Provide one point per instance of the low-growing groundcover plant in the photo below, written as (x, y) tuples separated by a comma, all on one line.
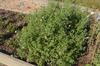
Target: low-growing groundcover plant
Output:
[(55, 36)]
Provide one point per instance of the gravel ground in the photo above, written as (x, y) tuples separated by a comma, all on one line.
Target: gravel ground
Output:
[(28, 6)]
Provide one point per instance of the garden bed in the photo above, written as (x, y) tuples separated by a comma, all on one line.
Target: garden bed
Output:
[(13, 22)]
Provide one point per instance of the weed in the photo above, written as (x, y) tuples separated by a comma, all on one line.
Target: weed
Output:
[(11, 28), (0, 19), (1, 37)]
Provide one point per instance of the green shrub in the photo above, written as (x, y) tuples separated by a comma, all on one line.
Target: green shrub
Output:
[(54, 36)]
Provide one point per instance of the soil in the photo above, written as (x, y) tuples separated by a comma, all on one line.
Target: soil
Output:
[(9, 21)]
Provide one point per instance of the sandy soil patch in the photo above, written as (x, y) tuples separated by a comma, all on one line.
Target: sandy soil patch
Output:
[(26, 7)]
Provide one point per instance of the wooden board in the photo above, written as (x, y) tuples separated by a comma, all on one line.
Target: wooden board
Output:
[(11, 61)]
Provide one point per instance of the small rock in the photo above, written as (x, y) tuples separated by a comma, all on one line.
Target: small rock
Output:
[(98, 17), (92, 13)]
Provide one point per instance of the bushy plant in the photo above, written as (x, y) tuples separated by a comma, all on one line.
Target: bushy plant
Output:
[(54, 36)]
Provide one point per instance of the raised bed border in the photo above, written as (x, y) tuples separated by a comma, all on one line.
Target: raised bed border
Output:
[(11, 61)]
